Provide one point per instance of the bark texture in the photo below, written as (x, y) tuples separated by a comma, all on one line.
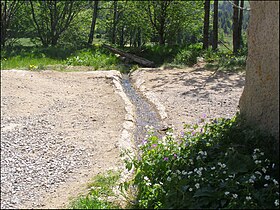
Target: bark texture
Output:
[(259, 103)]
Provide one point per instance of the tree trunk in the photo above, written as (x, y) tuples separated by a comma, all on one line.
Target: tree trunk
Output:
[(235, 37), (240, 41), (215, 26), (92, 28), (259, 103), (114, 22), (206, 24), (137, 59), (161, 38), (122, 37)]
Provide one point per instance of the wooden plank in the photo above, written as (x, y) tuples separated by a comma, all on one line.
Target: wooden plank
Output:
[(137, 59)]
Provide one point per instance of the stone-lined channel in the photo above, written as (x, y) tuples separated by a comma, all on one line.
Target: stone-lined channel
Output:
[(146, 113)]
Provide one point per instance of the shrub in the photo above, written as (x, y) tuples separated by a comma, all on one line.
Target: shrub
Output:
[(206, 167), (188, 56), (94, 57)]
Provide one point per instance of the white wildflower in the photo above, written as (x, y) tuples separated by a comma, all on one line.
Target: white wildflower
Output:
[(267, 177), (148, 183), (224, 172), (190, 189), (256, 150), (197, 185), (275, 182), (178, 172), (253, 177), (168, 179), (265, 185), (223, 165), (213, 168), (226, 193), (276, 202), (251, 181), (234, 195), (273, 165), (254, 157), (259, 173), (262, 153), (146, 178), (248, 198), (264, 170), (184, 172)]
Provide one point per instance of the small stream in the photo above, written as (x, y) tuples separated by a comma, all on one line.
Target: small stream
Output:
[(146, 113)]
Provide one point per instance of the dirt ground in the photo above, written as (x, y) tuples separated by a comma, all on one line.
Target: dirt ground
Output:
[(58, 129), (184, 96)]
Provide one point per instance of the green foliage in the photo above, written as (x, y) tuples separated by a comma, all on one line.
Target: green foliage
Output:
[(188, 56), (225, 60), (222, 164), (27, 62), (95, 57), (156, 53), (99, 192)]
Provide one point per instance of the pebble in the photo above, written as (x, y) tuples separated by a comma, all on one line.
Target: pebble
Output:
[(35, 158)]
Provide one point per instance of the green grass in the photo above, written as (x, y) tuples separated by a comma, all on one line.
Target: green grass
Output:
[(30, 63), (38, 58), (100, 193)]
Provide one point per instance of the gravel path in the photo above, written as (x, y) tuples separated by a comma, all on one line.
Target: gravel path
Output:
[(58, 130)]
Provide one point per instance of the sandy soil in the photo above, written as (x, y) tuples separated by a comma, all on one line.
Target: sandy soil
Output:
[(92, 118), (187, 95), (85, 110)]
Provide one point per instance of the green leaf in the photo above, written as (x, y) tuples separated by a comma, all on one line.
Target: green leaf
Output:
[(204, 192)]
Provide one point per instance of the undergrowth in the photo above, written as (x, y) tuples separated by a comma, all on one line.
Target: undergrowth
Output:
[(223, 164), (100, 194)]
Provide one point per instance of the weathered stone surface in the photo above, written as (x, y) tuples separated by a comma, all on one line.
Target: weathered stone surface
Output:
[(259, 103)]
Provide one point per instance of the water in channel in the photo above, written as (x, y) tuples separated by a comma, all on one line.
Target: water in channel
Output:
[(145, 112)]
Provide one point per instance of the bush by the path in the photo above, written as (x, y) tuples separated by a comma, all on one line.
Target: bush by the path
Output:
[(223, 164)]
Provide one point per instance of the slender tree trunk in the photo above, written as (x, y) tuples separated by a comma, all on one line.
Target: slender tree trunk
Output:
[(139, 38), (114, 22), (240, 41), (161, 38), (122, 37), (235, 37), (206, 24), (215, 26), (92, 28)]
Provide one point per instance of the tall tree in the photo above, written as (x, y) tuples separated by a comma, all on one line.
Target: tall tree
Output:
[(235, 37), (51, 18), (240, 20), (8, 12), (93, 22), (215, 26), (158, 15), (115, 21), (259, 103), (206, 24)]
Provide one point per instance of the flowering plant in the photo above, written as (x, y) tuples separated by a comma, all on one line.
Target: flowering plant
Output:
[(205, 167)]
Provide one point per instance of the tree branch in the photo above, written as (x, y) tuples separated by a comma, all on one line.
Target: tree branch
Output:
[(236, 6)]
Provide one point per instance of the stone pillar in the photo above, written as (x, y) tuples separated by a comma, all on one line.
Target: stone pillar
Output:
[(259, 103)]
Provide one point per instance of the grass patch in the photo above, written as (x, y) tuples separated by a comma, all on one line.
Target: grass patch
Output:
[(100, 194), (31, 63), (222, 164)]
